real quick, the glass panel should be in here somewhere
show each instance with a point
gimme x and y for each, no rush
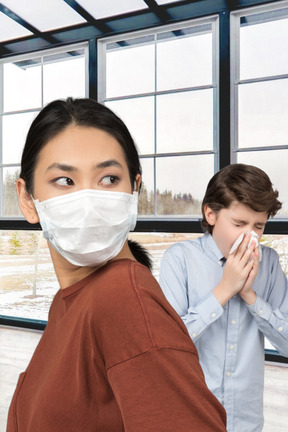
(184, 61)
(106, 8)
(45, 15)
(156, 244)
(146, 196)
(10, 29)
(22, 85)
(138, 115)
(185, 121)
(130, 70)
(275, 164)
(263, 113)
(280, 244)
(15, 128)
(10, 200)
(64, 75)
(27, 278)
(181, 183)
(262, 48)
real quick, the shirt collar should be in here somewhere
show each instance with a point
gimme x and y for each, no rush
(211, 249)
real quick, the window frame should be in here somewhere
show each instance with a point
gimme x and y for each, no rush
(17, 221)
(213, 20)
(236, 81)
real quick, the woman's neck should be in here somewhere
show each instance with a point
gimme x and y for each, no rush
(68, 274)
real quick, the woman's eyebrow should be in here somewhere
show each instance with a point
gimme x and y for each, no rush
(108, 163)
(69, 168)
(62, 167)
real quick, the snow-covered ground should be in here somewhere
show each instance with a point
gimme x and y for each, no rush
(17, 277)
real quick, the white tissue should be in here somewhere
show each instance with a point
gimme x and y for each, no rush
(254, 238)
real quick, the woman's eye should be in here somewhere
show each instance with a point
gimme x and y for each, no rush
(109, 180)
(64, 181)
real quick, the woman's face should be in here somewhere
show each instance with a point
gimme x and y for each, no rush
(81, 158)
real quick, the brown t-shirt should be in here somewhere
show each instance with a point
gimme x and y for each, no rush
(114, 357)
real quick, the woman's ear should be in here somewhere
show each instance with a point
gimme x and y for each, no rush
(210, 215)
(138, 180)
(26, 203)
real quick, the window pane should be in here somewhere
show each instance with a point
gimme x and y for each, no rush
(184, 60)
(130, 70)
(156, 244)
(185, 121)
(263, 113)
(181, 183)
(64, 75)
(45, 15)
(107, 8)
(22, 85)
(263, 48)
(138, 115)
(15, 128)
(280, 244)
(10, 29)
(146, 196)
(275, 164)
(27, 278)
(10, 200)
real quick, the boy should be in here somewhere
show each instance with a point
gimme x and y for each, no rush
(230, 301)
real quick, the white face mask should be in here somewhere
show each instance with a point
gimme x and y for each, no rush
(88, 227)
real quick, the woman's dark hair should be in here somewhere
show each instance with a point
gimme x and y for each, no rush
(246, 184)
(56, 117)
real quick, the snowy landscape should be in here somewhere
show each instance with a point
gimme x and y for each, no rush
(28, 282)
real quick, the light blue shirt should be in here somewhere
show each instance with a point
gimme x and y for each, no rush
(230, 340)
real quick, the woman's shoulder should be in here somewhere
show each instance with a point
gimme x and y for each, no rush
(120, 280)
(133, 310)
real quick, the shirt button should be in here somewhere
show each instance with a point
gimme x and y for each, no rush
(194, 335)
(280, 329)
(228, 374)
(261, 311)
(233, 322)
(231, 347)
(213, 315)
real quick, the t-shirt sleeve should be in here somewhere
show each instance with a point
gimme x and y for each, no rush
(164, 390)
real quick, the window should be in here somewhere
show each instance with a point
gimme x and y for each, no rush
(28, 281)
(171, 86)
(29, 83)
(259, 90)
(164, 85)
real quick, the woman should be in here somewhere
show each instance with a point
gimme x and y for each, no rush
(114, 355)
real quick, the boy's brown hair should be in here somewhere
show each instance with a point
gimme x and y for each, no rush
(246, 184)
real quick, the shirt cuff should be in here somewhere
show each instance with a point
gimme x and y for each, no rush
(210, 309)
(260, 309)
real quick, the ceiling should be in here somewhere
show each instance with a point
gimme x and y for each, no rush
(33, 25)
(25, 20)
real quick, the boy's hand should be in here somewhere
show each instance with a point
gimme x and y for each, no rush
(247, 293)
(239, 274)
